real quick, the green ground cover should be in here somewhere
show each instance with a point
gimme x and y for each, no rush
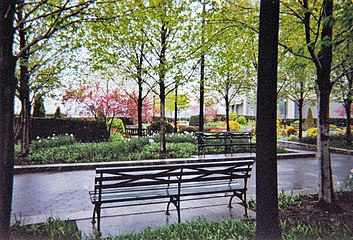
(299, 220)
(65, 149)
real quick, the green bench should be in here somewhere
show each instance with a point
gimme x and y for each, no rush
(142, 184)
(229, 141)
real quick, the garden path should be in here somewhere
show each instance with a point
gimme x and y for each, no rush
(38, 196)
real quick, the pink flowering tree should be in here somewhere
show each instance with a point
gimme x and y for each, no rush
(341, 111)
(103, 103)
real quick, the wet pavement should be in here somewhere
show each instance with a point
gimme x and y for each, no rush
(38, 196)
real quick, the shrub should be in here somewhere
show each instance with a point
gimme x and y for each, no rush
(52, 228)
(309, 139)
(232, 116)
(194, 120)
(311, 132)
(177, 138)
(241, 120)
(251, 123)
(234, 125)
(83, 130)
(156, 127)
(115, 136)
(291, 131)
(189, 129)
(118, 124)
(309, 122)
(293, 138)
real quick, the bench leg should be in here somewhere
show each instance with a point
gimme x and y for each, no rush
(242, 196)
(97, 210)
(230, 201)
(176, 203)
(94, 216)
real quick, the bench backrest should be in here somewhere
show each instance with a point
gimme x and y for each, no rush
(168, 174)
(202, 137)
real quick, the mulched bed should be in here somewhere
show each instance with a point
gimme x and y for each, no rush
(309, 211)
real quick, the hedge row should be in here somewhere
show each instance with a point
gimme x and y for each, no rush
(83, 130)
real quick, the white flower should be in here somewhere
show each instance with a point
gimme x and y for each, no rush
(38, 137)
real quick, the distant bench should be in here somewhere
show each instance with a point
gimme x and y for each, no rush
(229, 141)
(143, 184)
(132, 130)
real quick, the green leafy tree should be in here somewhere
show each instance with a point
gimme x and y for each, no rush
(176, 102)
(321, 36)
(36, 23)
(297, 84)
(168, 37)
(343, 64)
(120, 32)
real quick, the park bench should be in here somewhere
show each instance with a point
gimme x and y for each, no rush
(142, 184)
(230, 141)
(132, 130)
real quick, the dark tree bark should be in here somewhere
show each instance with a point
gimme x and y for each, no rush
(7, 95)
(227, 103)
(267, 220)
(139, 109)
(24, 90)
(202, 74)
(140, 92)
(162, 89)
(300, 109)
(347, 105)
(176, 109)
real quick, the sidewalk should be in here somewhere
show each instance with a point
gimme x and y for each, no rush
(38, 196)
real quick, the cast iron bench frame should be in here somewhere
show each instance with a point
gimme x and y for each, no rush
(142, 184)
(229, 140)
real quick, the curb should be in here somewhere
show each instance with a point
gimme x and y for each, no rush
(66, 167)
(311, 147)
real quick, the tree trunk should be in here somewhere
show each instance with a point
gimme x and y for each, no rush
(176, 110)
(163, 145)
(300, 109)
(202, 73)
(267, 219)
(162, 95)
(7, 95)
(323, 89)
(226, 100)
(140, 92)
(24, 90)
(139, 110)
(348, 122)
(323, 148)
(348, 105)
(202, 94)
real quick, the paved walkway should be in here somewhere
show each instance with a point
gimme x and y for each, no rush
(38, 196)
